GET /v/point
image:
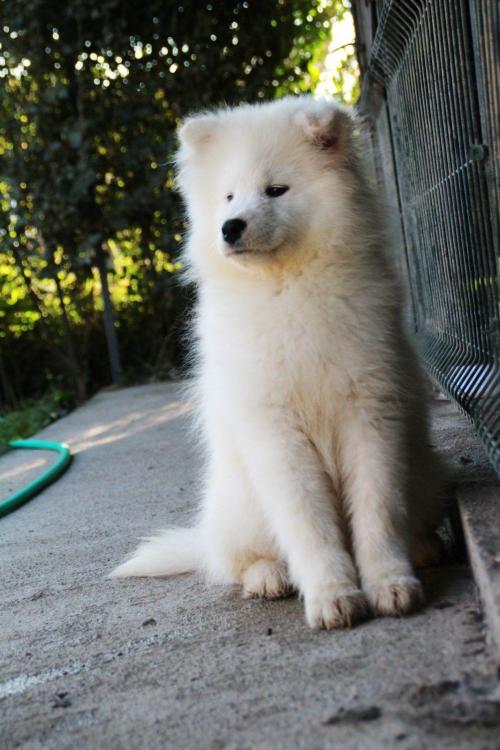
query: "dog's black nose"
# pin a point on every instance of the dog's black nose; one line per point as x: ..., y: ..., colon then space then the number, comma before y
x: 232, y: 229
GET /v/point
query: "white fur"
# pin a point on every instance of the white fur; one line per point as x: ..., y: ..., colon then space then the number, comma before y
x: 312, y: 403
x: 184, y: 555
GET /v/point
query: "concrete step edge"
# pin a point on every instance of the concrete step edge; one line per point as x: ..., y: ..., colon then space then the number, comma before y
x: 480, y: 513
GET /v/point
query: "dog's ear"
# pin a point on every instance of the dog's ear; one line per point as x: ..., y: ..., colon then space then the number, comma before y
x: 328, y: 126
x: 197, y: 131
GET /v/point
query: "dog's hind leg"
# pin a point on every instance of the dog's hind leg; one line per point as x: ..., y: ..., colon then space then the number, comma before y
x: 266, y: 579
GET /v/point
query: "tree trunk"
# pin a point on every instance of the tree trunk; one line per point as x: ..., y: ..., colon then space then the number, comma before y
x: 9, y: 393
x: 33, y: 295
x: 46, y: 331
x: 94, y: 212
x: 109, y: 320
x: 78, y: 375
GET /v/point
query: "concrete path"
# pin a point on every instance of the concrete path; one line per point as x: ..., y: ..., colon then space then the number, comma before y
x: 89, y: 662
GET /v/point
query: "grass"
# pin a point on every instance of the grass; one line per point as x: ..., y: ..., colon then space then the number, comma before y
x: 32, y: 416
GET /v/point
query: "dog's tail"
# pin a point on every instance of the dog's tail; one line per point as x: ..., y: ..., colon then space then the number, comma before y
x: 170, y: 553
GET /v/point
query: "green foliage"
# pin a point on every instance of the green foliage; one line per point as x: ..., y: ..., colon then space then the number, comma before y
x: 33, y: 416
x: 90, y: 96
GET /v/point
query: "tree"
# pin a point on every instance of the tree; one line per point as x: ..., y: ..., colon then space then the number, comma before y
x: 90, y: 99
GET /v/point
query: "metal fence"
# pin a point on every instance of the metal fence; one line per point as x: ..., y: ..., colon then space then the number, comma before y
x: 430, y: 92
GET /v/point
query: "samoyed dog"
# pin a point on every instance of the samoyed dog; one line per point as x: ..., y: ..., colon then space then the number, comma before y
x: 319, y: 474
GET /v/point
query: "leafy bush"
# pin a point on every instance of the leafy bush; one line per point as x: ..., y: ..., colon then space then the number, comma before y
x: 33, y: 416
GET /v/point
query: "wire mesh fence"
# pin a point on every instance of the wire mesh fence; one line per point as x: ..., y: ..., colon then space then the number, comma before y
x: 433, y: 65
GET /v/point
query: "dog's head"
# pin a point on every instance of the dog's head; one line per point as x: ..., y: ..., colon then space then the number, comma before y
x: 263, y: 182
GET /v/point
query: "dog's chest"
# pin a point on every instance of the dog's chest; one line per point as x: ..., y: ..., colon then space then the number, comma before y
x: 316, y: 345
x: 299, y: 341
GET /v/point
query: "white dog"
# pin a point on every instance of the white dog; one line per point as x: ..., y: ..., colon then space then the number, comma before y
x: 319, y: 474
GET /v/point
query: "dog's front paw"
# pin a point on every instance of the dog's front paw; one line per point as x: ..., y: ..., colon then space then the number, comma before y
x: 265, y: 579
x: 336, y: 606
x: 397, y: 596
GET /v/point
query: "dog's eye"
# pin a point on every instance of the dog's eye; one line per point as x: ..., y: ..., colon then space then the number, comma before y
x: 274, y: 191
x: 229, y: 197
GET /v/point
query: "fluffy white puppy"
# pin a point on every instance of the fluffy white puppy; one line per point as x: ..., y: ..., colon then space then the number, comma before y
x: 319, y: 475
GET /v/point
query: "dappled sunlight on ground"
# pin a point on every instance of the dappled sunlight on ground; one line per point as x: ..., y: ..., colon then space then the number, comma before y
x: 134, y: 423
x: 96, y: 427
x: 4, y: 475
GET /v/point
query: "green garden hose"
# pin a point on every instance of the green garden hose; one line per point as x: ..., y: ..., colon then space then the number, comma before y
x: 34, y: 487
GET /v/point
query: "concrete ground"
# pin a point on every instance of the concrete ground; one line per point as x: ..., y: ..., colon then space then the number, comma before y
x: 96, y: 663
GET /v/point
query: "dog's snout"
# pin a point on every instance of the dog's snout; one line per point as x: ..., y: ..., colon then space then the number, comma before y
x: 232, y: 229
